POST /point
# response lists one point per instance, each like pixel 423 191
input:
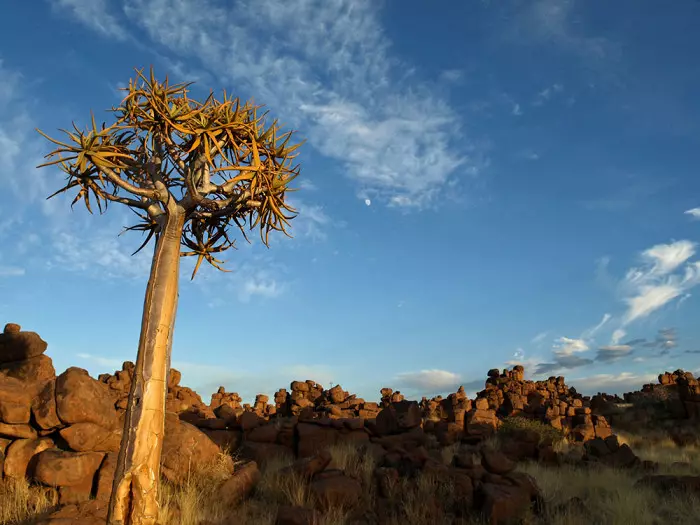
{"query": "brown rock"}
pixel 61 468
pixel 105 476
pixel 239 486
pixel 19 346
pixel 185 447
pixel 82 399
pixel 89 437
pixel 496 462
pixel 398 417
pixel 34 372
pixel 313 438
pixel 20 453
pixel 93 512
pixel 76 493
pixel 264 434
pixel 44 407
pixel 15 401
pixel 310 466
pixel 261 453
pixel 17 431
pixel 336 491
pixel 500 503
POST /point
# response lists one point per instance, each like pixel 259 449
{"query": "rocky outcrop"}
pixel 64 431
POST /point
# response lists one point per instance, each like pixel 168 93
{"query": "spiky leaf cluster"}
pixel 215 161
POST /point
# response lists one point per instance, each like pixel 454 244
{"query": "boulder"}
pixel 16 345
pixel 185 447
pixel 82 399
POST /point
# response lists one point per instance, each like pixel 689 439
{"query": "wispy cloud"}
pixel 554 22
pixel 611 383
pixel 650 287
pixel 539 337
pixel 431 382
pixel 694 213
pixel 94 13
pixel 398 140
pixel 589 333
pixel 11 271
pixel 547 93
pixel 613 352
pixel 564 353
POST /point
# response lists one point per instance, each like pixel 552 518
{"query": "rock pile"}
pixel 64 431
pixel 672 405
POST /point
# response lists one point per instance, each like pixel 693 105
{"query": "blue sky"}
pixel 483 184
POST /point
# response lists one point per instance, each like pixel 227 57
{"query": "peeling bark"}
pixel 134 499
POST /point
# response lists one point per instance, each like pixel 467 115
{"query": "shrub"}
pixel 514 424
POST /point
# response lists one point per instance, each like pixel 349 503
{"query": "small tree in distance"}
pixel 191 171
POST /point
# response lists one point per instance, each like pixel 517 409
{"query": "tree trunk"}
pixel 134 499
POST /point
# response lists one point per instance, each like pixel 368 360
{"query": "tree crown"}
pixel 216 162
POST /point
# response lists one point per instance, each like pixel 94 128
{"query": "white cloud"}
pixel 398 139
pixel 93 13
pixel 432 380
pixel 547 93
pixel 554 23
pixel 98 252
pixel 311 222
pixel 589 333
pixel 539 337
pixel 517 111
pixel 452 75
pixel 611 383
pixel 694 213
pixel 568 346
pixel 260 285
pixel 651 287
pixel 613 352
pixel 11 271
pixel 107 363
pixel 617 335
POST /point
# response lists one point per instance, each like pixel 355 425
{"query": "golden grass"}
pixel 20 501
pixel 601 495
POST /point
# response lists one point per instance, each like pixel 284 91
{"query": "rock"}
pixel 308 467
pixel 239 486
pixel 34 372
pixel 313 438
pixel 19 346
pixel 17 431
pixel 19 455
pixel 82 399
pixel 15 401
pixel 496 462
pixel 398 417
pixel 61 468
pixel 500 503
pixel 105 476
pixel 336 490
pixel 91 512
pixel 184 447
pixel 44 407
pixel 89 437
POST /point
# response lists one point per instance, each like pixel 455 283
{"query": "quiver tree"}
pixel 191 171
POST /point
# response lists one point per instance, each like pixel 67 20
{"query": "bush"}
pixel 514 424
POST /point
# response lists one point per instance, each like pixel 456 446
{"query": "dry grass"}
pixel 600 495
pixel 20 501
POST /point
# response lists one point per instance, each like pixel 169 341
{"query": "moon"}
pixel 368 202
